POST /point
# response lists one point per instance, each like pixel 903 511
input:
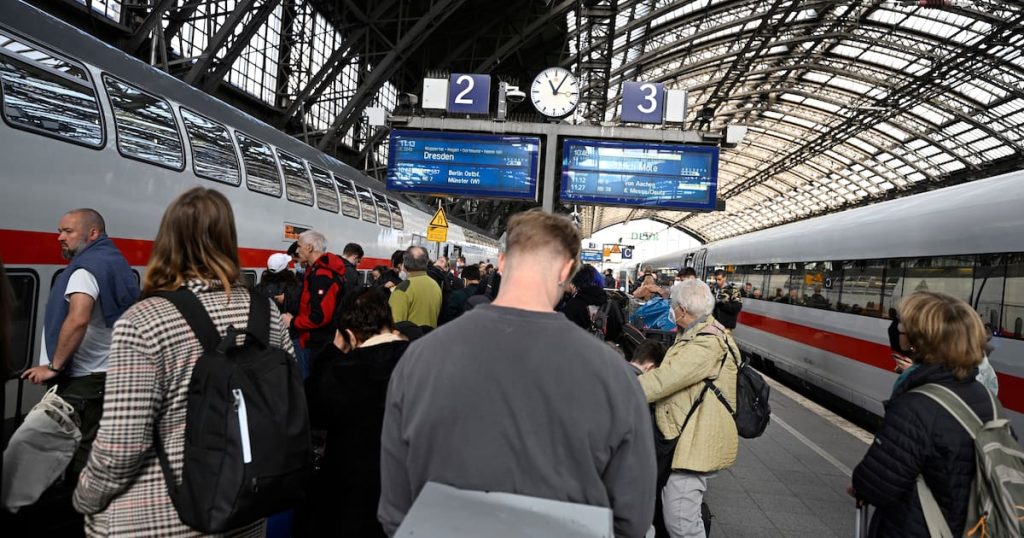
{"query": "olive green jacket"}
pixel 710 441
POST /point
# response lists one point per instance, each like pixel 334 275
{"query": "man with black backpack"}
pixel 698 433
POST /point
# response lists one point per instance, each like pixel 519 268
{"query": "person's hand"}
pixel 902 362
pixel 389 284
pixel 853 493
pixel 279 298
pixel 286 318
pixel 39 375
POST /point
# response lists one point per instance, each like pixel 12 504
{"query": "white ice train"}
pixel 966 240
pixel 85 125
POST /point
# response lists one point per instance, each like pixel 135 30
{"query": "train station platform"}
pixel 790 482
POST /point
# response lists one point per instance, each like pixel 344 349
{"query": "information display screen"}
pixel 464 164
pixel 639 174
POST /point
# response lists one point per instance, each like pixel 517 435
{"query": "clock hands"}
pixel 559 85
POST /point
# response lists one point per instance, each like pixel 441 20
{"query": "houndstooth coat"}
pixel 122 489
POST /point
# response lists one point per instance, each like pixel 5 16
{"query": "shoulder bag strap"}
pixel 259 318
pixel 936 522
pixel 710 384
pixel 206 332
pixel 700 399
pixel 954 405
pixel 195 314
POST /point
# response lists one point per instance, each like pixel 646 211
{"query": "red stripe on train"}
pixel 1011 388
pixel 20 247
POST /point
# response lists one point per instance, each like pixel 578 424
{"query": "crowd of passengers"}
pixel 649 285
pixel 479 376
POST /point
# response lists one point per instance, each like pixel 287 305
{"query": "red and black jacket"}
pixel 322 288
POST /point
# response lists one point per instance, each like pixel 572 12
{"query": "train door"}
pixel 699 261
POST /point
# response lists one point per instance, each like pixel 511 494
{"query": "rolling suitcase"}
pixel 860 526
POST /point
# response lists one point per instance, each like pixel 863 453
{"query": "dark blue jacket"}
pixel 118 287
pixel 919 437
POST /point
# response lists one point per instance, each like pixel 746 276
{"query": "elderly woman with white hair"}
pixel 687 414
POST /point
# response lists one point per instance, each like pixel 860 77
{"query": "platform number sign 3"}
pixel 643 102
pixel 469 94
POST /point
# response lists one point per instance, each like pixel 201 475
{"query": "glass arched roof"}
pixel 845 102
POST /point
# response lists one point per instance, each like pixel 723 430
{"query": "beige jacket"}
pixel 710 441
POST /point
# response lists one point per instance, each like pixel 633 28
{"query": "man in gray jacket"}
pixel 525 403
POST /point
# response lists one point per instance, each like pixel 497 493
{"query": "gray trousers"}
pixel 681 500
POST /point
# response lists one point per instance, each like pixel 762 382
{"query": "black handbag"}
pixel 665 449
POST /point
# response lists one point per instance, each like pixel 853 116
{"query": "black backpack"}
pixel 752 411
pixel 247 451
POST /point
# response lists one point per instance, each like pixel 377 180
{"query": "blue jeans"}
pixel 303 357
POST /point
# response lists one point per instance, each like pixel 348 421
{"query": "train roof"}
pixel 983 216
pixel 48 30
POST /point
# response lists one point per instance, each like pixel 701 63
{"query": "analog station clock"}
pixel 555 92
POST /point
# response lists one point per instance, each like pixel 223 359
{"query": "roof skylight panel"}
pixel 822 105
pixel 969 136
pixel 985 144
pixel 862 145
pixel 998 153
pixel 848 49
pixel 952 166
pixel 810 125
pixel 849 85
pixel 931 114
pixel 955 19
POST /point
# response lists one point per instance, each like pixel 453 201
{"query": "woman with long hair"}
pixel 946 340
pixel 153 352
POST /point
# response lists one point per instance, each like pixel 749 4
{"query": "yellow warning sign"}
pixel 616 249
pixel 437 234
pixel 439 220
pixel 437 230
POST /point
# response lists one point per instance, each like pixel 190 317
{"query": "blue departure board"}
pixel 464 164
pixel 639 174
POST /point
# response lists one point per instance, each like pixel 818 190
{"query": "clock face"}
pixel 555 92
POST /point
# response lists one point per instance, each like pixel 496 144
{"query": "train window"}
pixel 213 154
pixel 862 287
pixel 820 285
pixel 145 125
pixel 1013 296
pixel 349 202
pixel 261 174
pixel 369 206
pixel 296 181
pixel 757 276
pixel 396 215
pixel 249 278
pixel 47 94
pixel 383 210
pixel 894 283
pixel 989 280
pixel 946 274
pixel 326 196
pixel 25 285
pixel 777 287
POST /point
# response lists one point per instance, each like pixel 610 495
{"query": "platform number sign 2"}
pixel 643 102
pixel 469 94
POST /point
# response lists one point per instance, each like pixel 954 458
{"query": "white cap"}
pixel 278 262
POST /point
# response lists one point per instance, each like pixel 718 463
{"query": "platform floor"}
pixel 790 482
